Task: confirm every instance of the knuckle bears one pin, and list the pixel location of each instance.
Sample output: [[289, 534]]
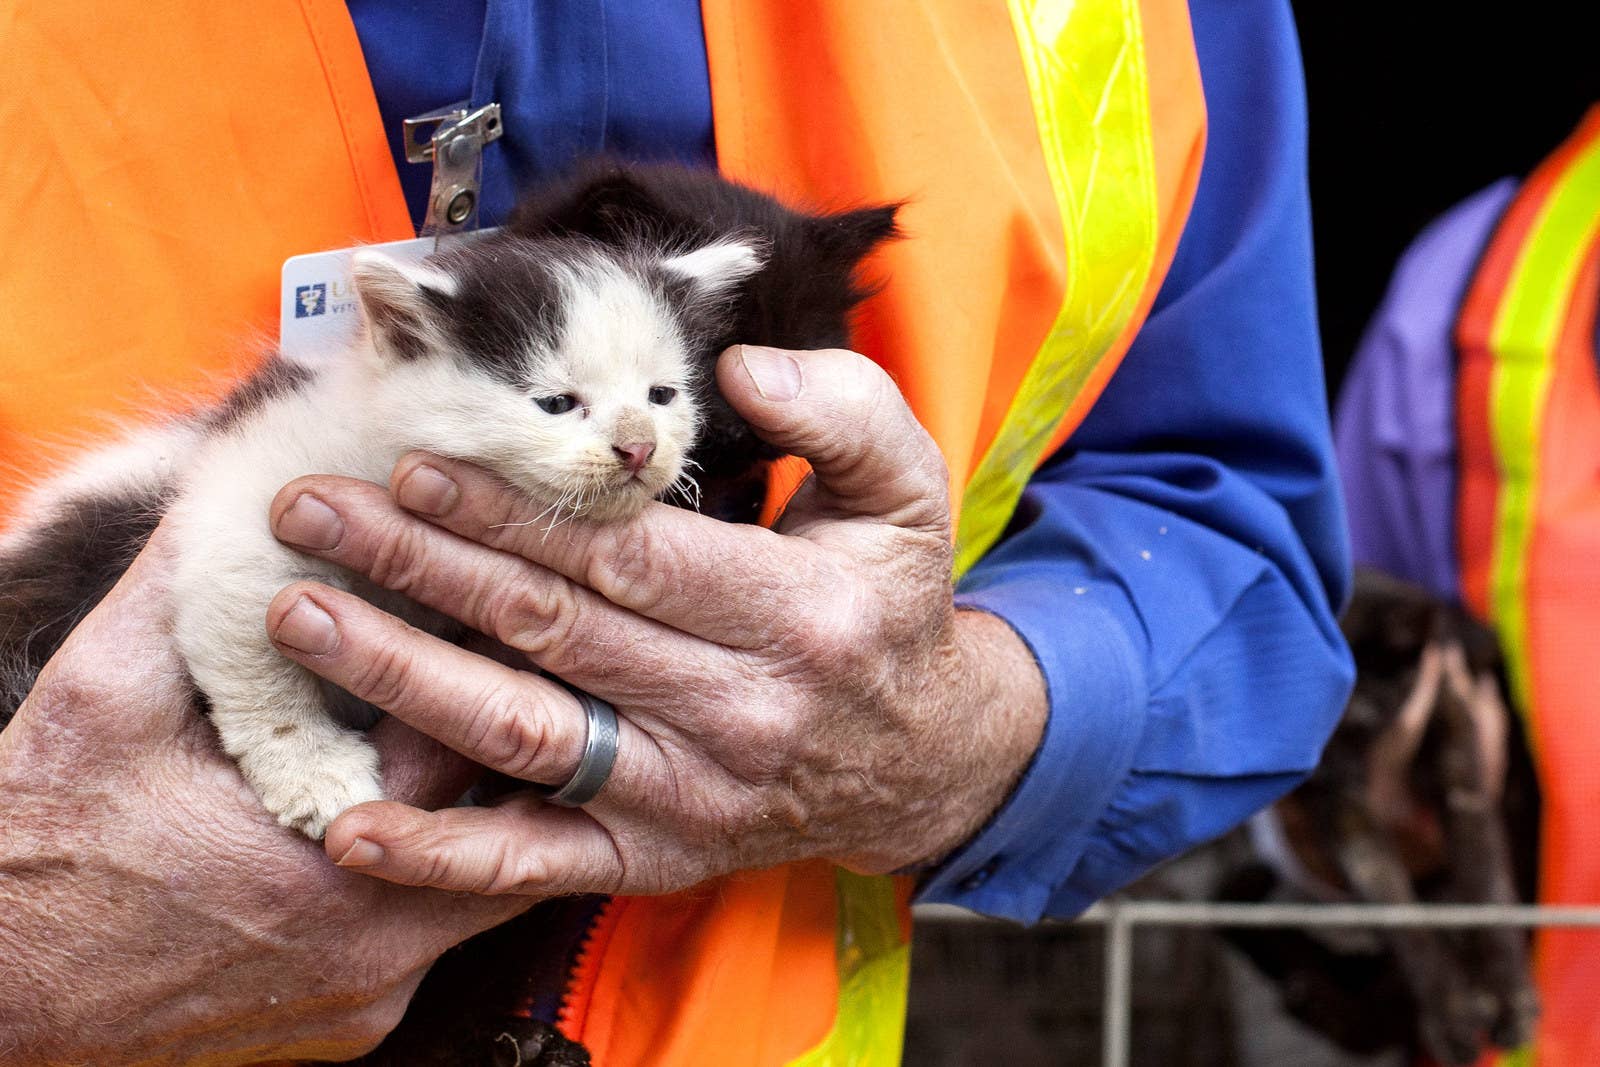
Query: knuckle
[[367, 1031], [769, 764], [832, 637], [521, 874], [640, 571], [509, 732], [383, 677], [476, 866], [441, 869], [399, 557], [532, 616]]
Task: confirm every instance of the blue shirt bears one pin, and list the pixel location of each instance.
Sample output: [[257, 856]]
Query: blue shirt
[[1175, 568]]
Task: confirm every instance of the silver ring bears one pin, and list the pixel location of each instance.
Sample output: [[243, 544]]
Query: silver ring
[[599, 753]]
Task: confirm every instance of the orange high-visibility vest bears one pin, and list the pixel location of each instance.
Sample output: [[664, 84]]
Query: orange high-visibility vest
[[1528, 515], [177, 153]]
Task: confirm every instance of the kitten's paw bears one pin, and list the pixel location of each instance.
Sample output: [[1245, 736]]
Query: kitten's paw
[[309, 792]]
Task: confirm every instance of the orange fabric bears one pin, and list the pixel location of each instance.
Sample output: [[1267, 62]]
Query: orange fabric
[[1178, 103], [1562, 586], [810, 103], [182, 151], [1479, 482], [747, 964], [142, 256]]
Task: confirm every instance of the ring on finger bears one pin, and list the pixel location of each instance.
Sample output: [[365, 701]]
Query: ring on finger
[[599, 753]]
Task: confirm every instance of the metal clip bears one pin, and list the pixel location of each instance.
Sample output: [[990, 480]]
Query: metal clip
[[454, 140]]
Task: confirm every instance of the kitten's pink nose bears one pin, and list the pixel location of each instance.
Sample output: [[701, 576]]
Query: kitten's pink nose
[[636, 455]]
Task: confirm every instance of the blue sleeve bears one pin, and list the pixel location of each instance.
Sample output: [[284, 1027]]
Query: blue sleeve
[[1177, 567]]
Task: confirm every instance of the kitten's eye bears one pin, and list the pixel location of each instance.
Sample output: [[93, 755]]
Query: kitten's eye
[[661, 394], [557, 405]]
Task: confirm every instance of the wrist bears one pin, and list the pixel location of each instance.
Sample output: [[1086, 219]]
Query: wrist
[[997, 719]]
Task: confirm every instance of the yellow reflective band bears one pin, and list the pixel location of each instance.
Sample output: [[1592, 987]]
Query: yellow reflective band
[[1085, 65], [1519, 1057], [1527, 328], [874, 973]]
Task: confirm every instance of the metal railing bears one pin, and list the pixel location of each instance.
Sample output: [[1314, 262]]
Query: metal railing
[[1120, 917]]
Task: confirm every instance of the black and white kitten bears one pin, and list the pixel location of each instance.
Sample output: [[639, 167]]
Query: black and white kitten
[[571, 354]]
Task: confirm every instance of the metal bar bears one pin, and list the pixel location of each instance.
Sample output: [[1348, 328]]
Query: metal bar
[[1120, 917], [1171, 913], [1185, 913], [1117, 1020]]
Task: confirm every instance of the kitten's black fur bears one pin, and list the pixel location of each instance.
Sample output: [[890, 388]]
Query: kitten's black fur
[[802, 299], [467, 1010]]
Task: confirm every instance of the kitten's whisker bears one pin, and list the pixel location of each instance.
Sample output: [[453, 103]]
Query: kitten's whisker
[[685, 488], [554, 511], [572, 498], [529, 522]]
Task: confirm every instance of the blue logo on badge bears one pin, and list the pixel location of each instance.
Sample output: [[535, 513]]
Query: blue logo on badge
[[310, 300]]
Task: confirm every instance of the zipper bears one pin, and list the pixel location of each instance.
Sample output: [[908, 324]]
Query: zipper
[[584, 972]]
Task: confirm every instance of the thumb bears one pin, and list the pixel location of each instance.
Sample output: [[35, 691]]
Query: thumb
[[843, 414]]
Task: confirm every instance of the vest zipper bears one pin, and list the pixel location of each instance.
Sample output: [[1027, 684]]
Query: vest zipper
[[585, 970]]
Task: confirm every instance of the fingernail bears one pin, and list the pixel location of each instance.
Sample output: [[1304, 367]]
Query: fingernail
[[362, 853], [310, 523], [776, 374], [428, 490], [308, 628]]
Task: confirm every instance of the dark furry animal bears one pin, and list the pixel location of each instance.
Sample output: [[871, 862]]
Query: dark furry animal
[[493, 999], [1425, 793]]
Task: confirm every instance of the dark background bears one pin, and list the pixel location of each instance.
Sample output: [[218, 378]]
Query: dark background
[[1414, 106]]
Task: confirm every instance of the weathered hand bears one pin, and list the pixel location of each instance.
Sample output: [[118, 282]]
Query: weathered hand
[[151, 911], [789, 694]]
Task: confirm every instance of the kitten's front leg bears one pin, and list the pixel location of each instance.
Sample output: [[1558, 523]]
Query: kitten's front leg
[[306, 768], [269, 712]]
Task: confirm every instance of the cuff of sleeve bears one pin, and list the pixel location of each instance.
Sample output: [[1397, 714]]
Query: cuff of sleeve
[[1082, 640]]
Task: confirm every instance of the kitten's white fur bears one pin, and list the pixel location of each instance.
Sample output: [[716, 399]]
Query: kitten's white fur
[[145, 456], [356, 418]]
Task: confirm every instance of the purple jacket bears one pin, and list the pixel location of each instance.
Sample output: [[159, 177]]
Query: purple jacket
[[1394, 427]]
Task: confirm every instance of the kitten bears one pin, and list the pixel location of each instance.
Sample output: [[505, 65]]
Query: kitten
[[571, 354]]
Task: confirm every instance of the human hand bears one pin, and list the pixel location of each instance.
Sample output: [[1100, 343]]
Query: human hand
[[790, 694], [151, 911]]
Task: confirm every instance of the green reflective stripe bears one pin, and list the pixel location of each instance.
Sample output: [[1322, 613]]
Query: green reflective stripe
[[1085, 66], [874, 974], [1519, 1057], [1527, 329]]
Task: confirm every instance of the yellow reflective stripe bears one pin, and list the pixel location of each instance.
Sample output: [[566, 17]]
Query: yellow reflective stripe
[[1085, 65], [874, 973], [1527, 328], [1518, 1057]]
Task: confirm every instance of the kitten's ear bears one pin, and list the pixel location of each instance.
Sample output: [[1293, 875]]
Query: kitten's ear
[[848, 236], [713, 270], [400, 303], [603, 201]]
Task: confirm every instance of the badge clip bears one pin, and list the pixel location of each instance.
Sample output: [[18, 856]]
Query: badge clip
[[453, 138]]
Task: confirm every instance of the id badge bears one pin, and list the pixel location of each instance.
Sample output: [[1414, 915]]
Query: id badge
[[318, 315]]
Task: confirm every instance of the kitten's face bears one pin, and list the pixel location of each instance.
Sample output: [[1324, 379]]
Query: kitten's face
[[566, 369]]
